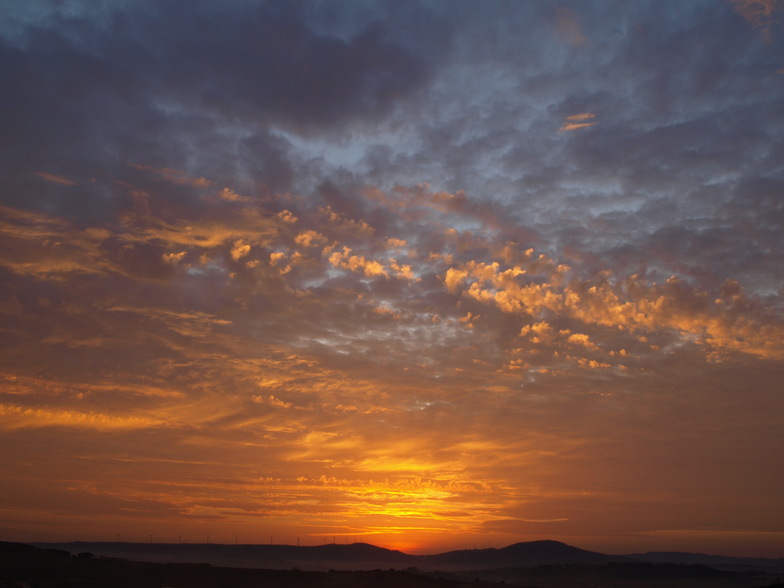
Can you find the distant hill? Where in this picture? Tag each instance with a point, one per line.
(531, 553)
(25, 566)
(716, 561)
(363, 556)
(355, 556)
(340, 557)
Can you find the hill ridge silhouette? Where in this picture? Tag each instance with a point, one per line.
(522, 554)
(360, 555)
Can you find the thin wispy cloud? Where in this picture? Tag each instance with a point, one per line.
(578, 121)
(55, 179)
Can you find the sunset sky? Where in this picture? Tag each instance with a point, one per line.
(425, 274)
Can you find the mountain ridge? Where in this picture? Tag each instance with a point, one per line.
(523, 554)
(367, 556)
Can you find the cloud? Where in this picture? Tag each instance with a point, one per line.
(567, 26)
(629, 305)
(239, 250)
(55, 179)
(175, 176)
(287, 217)
(331, 265)
(310, 238)
(576, 121)
(357, 263)
(759, 13)
(174, 258)
(581, 340)
(15, 417)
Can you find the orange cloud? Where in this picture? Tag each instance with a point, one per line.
(346, 226)
(55, 179)
(18, 417)
(405, 272)
(759, 13)
(469, 319)
(631, 306)
(310, 238)
(174, 258)
(581, 339)
(239, 250)
(577, 121)
(287, 217)
(580, 117)
(175, 176)
(357, 263)
(231, 196)
(41, 245)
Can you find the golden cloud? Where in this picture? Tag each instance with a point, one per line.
(357, 263)
(578, 121)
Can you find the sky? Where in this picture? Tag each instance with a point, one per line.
(424, 274)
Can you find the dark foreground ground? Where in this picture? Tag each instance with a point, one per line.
(25, 566)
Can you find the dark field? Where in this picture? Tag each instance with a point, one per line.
(27, 566)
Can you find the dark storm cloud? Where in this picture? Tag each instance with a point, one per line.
(175, 83)
(272, 65)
